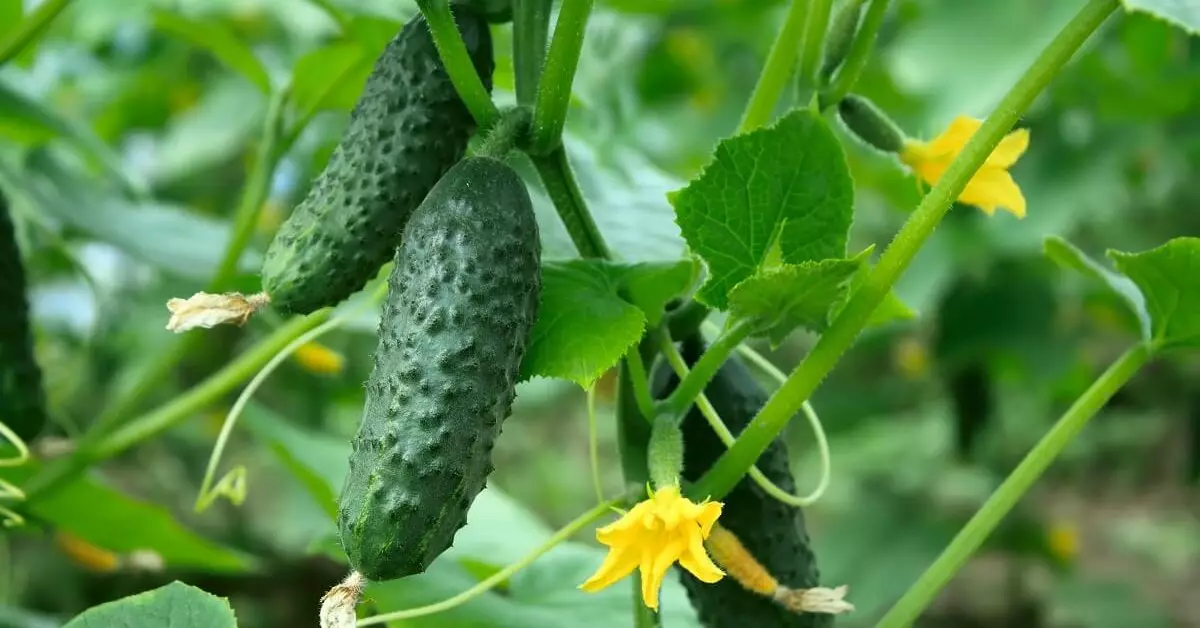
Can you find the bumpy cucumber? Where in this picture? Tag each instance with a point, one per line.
(774, 533)
(463, 299)
(22, 400)
(495, 11)
(407, 129)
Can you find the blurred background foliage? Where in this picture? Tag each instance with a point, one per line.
(125, 137)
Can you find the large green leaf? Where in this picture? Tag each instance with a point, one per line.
(1169, 279)
(781, 190)
(1182, 13)
(110, 519)
(592, 311)
(175, 605)
(218, 39)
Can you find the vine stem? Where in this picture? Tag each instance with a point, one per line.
(801, 383)
(495, 579)
(30, 28)
(594, 445)
(554, 87)
(1014, 487)
(776, 71)
(860, 52)
(531, 24)
(816, 24)
(694, 383)
(454, 55)
(640, 382)
(560, 185)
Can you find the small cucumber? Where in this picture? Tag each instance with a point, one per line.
(494, 11)
(463, 298)
(870, 124)
(407, 129)
(22, 400)
(773, 532)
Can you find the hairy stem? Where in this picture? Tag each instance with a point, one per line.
(640, 382)
(554, 88)
(458, 63)
(921, 594)
(776, 71)
(531, 24)
(568, 201)
(773, 417)
(816, 24)
(860, 53)
(30, 29)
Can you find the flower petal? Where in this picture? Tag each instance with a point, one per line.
(620, 562)
(952, 140)
(1010, 149)
(992, 188)
(709, 512)
(654, 568)
(696, 561)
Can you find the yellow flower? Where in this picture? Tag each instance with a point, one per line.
(654, 535)
(317, 358)
(1063, 540)
(992, 186)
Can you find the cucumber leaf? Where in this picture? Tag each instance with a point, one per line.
(1068, 256)
(176, 605)
(220, 41)
(792, 295)
(1169, 279)
(1184, 14)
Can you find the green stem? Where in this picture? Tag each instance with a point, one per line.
(859, 55)
(1014, 487)
(640, 382)
(178, 409)
(554, 89)
(687, 318)
(457, 60)
(560, 185)
(506, 134)
(776, 71)
(633, 432)
(815, 27)
(705, 368)
(531, 24)
(773, 417)
(30, 28)
(245, 220)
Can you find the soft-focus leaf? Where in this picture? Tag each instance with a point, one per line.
(217, 39)
(1068, 256)
(785, 186)
(175, 605)
(330, 77)
(785, 297)
(318, 461)
(1182, 13)
(1169, 279)
(585, 324)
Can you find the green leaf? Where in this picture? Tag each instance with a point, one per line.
(793, 295)
(892, 309)
(219, 40)
(1169, 279)
(1067, 256)
(785, 186)
(318, 461)
(592, 311)
(332, 77)
(1182, 13)
(110, 519)
(175, 605)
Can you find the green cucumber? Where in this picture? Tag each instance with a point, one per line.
(407, 129)
(870, 124)
(494, 11)
(773, 532)
(22, 399)
(463, 298)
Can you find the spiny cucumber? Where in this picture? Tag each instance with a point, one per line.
(407, 129)
(22, 400)
(463, 298)
(773, 532)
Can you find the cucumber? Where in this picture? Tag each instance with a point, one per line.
(870, 124)
(494, 11)
(22, 399)
(463, 298)
(774, 533)
(407, 129)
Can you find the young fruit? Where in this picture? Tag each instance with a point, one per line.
(870, 124)
(407, 129)
(22, 400)
(463, 298)
(773, 532)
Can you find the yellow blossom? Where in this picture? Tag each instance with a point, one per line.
(317, 358)
(652, 536)
(992, 186)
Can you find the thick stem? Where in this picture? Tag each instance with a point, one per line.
(531, 23)
(633, 432)
(508, 133)
(859, 55)
(816, 25)
(554, 88)
(457, 60)
(772, 419)
(639, 382)
(921, 594)
(568, 201)
(778, 69)
(706, 367)
(178, 409)
(30, 29)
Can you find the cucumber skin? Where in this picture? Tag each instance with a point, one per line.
(773, 532)
(407, 129)
(463, 298)
(22, 398)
